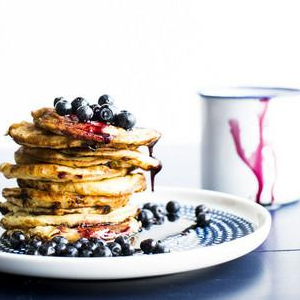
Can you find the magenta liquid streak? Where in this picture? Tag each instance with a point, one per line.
(255, 161)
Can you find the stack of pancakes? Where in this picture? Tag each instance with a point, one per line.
(75, 179)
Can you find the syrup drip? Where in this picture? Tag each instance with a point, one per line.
(154, 171)
(255, 161)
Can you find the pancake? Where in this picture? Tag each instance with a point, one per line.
(23, 220)
(28, 135)
(84, 157)
(105, 232)
(58, 173)
(25, 155)
(8, 207)
(48, 119)
(117, 186)
(35, 198)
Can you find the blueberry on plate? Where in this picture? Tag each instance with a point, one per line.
(105, 99)
(146, 217)
(18, 239)
(115, 248)
(158, 211)
(125, 120)
(97, 241)
(148, 245)
(47, 249)
(122, 239)
(84, 113)
(201, 209)
(89, 246)
(172, 207)
(203, 219)
(60, 249)
(102, 251)
(70, 251)
(85, 253)
(35, 242)
(173, 217)
(77, 102)
(148, 205)
(160, 248)
(60, 240)
(128, 250)
(32, 251)
(63, 107)
(106, 113)
(58, 99)
(95, 108)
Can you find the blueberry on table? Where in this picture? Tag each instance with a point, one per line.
(63, 107)
(106, 113)
(148, 245)
(201, 209)
(70, 251)
(125, 120)
(128, 250)
(203, 219)
(115, 248)
(146, 217)
(105, 99)
(77, 102)
(17, 239)
(160, 248)
(84, 113)
(58, 99)
(122, 240)
(172, 207)
(102, 251)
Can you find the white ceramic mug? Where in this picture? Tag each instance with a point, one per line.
(251, 143)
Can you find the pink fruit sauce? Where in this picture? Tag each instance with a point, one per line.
(255, 161)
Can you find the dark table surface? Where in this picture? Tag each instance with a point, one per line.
(270, 272)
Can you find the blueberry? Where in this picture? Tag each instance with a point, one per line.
(60, 240)
(172, 207)
(203, 219)
(58, 99)
(60, 249)
(158, 211)
(89, 246)
(148, 205)
(201, 209)
(35, 242)
(115, 248)
(160, 248)
(95, 108)
(160, 220)
(173, 217)
(146, 217)
(97, 241)
(18, 239)
(32, 251)
(70, 251)
(106, 113)
(77, 102)
(125, 120)
(47, 249)
(84, 113)
(127, 250)
(147, 246)
(105, 99)
(102, 251)
(85, 253)
(122, 240)
(63, 107)
(79, 242)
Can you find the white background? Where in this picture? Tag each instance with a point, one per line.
(151, 56)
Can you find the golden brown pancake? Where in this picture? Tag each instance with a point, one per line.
(24, 220)
(117, 186)
(27, 197)
(7, 207)
(25, 155)
(48, 119)
(106, 232)
(58, 173)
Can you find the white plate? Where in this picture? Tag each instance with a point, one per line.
(159, 264)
